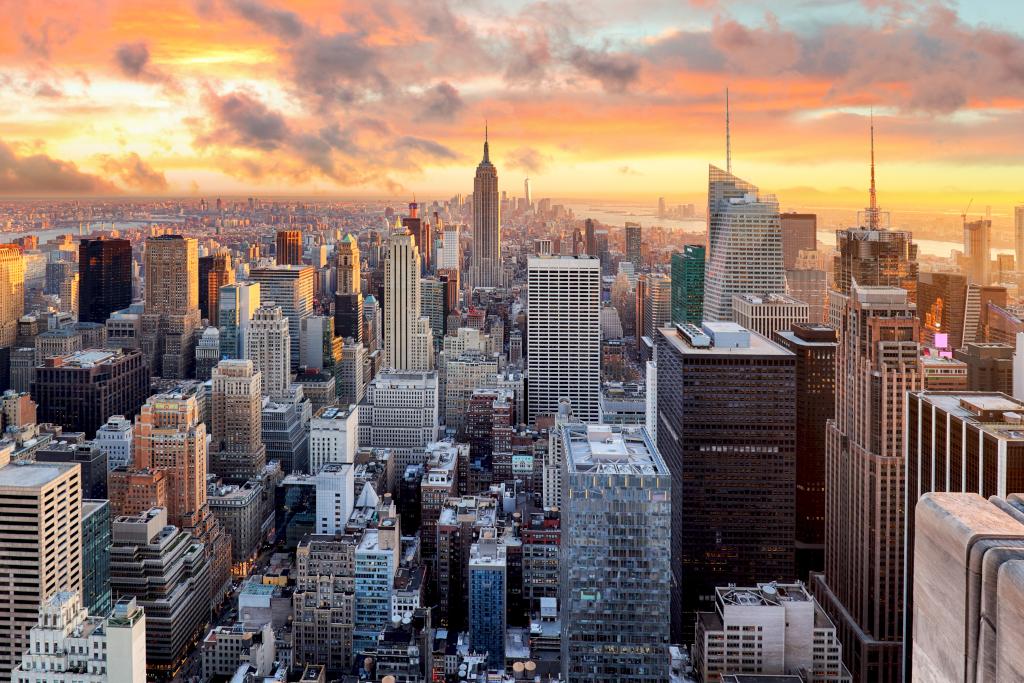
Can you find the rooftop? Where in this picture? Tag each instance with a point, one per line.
(991, 412)
(30, 475)
(611, 450)
(756, 344)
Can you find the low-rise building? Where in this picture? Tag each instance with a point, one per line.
(225, 648)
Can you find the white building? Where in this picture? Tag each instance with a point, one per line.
(291, 288)
(115, 438)
(225, 648)
(69, 646)
(350, 385)
(450, 256)
(268, 346)
(769, 313)
(335, 497)
(333, 436)
(464, 375)
(564, 336)
(408, 340)
(770, 629)
(400, 413)
(744, 244)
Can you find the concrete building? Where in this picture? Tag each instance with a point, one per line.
(226, 648)
(768, 314)
(40, 546)
(862, 587)
(207, 353)
(799, 233)
(348, 298)
(166, 571)
(727, 430)
(744, 244)
(977, 251)
(268, 345)
(615, 623)
(67, 645)
(768, 630)
(408, 340)
(236, 448)
(966, 624)
(240, 512)
(989, 366)
(91, 460)
(171, 319)
(400, 413)
(657, 303)
(215, 271)
(324, 601)
(810, 285)
(941, 372)
(12, 292)
(462, 376)
(333, 437)
(285, 431)
(350, 380)
(376, 562)
(290, 288)
(563, 336)
(80, 391)
(335, 496)
(814, 347)
(288, 248)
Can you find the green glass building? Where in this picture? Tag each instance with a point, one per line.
(688, 285)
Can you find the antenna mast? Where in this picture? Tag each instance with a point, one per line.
(728, 141)
(873, 202)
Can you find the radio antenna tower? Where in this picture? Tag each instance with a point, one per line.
(728, 141)
(873, 221)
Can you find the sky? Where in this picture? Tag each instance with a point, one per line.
(597, 99)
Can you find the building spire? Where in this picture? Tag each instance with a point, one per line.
(872, 196)
(728, 141)
(487, 151)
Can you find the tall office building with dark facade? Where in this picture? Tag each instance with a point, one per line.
(215, 271)
(799, 233)
(726, 428)
(942, 306)
(688, 285)
(633, 239)
(420, 229)
(814, 347)
(873, 257)
(348, 297)
(105, 278)
(289, 247)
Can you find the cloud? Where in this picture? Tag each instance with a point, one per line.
(133, 172)
(132, 58)
(51, 33)
(47, 90)
(440, 103)
(241, 119)
(430, 148)
(527, 159)
(283, 23)
(616, 71)
(42, 174)
(629, 170)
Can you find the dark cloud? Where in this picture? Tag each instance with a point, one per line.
(430, 148)
(616, 71)
(132, 58)
(241, 119)
(47, 90)
(440, 103)
(527, 159)
(51, 33)
(133, 172)
(279, 22)
(42, 174)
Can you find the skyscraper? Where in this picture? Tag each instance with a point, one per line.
(105, 278)
(289, 248)
(485, 264)
(419, 228)
(657, 303)
(237, 452)
(744, 244)
(977, 241)
(170, 321)
(1018, 235)
(726, 428)
(615, 623)
(12, 292)
(488, 591)
(564, 335)
(348, 298)
(877, 362)
(40, 546)
(814, 347)
(590, 237)
(527, 194)
(408, 342)
(291, 288)
(268, 346)
(799, 233)
(236, 305)
(215, 271)
(942, 302)
(688, 285)
(634, 250)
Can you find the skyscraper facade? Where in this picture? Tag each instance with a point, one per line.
(268, 346)
(977, 251)
(634, 245)
(688, 285)
(215, 271)
(236, 305)
(615, 623)
(744, 244)
(942, 302)
(799, 233)
(348, 298)
(419, 228)
(877, 362)
(289, 248)
(726, 428)
(485, 265)
(1018, 235)
(564, 335)
(291, 288)
(40, 546)
(170, 321)
(105, 278)
(408, 342)
(12, 292)
(237, 452)
(872, 257)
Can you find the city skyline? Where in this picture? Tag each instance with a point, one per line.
(245, 96)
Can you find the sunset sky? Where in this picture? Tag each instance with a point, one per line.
(604, 98)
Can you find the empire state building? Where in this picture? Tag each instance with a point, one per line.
(485, 265)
